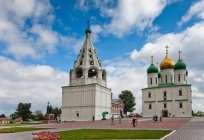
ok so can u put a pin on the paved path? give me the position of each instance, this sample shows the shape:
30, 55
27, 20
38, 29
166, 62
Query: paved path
126, 124
193, 130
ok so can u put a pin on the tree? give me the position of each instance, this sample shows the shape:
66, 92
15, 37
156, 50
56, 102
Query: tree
2, 116
128, 99
39, 115
23, 110
56, 111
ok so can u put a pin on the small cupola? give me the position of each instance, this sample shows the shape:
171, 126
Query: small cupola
180, 65
152, 68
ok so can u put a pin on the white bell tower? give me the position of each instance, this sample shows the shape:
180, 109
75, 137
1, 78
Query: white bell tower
87, 96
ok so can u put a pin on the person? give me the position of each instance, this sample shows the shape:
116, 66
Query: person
93, 118
134, 119
112, 120
156, 118
160, 118
120, 119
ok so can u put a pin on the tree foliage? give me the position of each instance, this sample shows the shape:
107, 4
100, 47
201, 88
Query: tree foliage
23, 110
56, 111
128, 99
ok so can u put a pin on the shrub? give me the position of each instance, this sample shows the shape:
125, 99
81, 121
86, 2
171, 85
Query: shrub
46, 135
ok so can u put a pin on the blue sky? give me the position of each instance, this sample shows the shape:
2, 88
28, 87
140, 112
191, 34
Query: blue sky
39, 41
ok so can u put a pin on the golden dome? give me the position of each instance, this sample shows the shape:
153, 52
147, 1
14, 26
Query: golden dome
167, 63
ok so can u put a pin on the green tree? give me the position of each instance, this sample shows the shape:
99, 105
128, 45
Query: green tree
2, 116
128, 99
14, 116
56, 111
23, 110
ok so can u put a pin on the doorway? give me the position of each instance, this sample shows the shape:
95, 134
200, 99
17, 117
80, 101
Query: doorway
164, 113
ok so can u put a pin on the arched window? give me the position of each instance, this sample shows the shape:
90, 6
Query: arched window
92, 73
77, 113
149, 94
91, 62
104, 75
79, 73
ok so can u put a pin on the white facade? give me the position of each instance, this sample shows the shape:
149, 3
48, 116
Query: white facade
88, 95
170, 95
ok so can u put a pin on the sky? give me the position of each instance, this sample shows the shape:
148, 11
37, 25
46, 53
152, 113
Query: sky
40, 39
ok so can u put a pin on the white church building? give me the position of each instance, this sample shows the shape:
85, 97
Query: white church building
87, 95
168, 94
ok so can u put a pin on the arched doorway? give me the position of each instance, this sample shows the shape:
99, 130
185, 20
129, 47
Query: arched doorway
164, 113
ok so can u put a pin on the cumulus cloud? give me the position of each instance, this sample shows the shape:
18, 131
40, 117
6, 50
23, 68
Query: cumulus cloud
36, 84
26, 29
196, 10
127, 16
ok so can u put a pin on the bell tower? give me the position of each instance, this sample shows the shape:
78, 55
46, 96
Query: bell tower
87, 96
87, 68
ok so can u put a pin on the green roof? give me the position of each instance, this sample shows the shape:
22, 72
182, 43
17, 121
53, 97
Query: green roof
87, 31
152, 69
180, 65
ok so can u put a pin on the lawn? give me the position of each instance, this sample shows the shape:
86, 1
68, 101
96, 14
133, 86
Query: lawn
19, 129
112, 134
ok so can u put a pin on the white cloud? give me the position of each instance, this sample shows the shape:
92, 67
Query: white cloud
26, 29
196, 10
36, 84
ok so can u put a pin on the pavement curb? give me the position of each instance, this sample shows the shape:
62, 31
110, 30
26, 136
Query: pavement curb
163, 138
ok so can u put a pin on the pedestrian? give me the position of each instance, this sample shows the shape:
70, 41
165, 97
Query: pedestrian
134, 119
160, 118
93, 118
120, 119
112, 120
156, 118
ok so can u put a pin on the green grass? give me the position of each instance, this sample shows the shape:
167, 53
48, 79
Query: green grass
19, 129
83, 134
17, 124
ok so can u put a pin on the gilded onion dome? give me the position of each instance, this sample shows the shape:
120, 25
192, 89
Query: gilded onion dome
167, 63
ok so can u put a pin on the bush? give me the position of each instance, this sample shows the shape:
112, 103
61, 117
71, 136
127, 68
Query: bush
46, 135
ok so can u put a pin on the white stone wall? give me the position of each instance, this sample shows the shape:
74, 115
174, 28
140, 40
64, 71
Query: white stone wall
88, 100
183, 77
170, 76
152, 79
172, 100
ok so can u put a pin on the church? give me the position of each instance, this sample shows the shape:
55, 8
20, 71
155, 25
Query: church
87, 97
168, 93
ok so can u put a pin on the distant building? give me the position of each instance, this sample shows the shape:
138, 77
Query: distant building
168, 94
87, 97
5, 120
117, 107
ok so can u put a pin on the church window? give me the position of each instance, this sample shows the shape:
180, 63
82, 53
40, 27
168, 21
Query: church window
81, 62
164, 93
92, 73
179, 77
180, 92
104, 75
91, 62
166, 78
150, 81
156, 80
91, 56
84, 50
77, 114
165, 105
150, 106
89, 50
180, 105
149, 94
82, 56
79, 73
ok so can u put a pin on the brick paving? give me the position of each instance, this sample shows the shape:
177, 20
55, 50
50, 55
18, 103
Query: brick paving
193, 130
126, 124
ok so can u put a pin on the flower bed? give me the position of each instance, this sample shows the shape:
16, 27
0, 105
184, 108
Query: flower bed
46, 135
